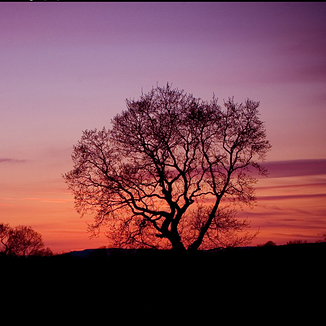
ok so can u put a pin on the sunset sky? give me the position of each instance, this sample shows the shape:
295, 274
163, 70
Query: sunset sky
67, 67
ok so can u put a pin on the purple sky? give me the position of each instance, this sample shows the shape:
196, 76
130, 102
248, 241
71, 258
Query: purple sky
66, 67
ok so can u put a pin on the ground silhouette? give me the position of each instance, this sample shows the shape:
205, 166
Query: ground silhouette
150, 280
299, 258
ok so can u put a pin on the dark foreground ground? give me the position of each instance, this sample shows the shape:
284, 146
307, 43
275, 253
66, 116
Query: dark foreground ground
161, 284
298, 259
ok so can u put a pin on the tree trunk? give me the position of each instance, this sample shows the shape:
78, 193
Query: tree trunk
176, 242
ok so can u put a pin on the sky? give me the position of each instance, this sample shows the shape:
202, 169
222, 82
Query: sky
68, 66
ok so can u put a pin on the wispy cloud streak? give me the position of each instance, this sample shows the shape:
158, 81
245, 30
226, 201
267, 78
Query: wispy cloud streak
11, 160
294, 168
287, 197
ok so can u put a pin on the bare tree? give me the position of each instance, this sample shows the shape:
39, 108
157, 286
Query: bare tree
166, 154
22, 241
4, 236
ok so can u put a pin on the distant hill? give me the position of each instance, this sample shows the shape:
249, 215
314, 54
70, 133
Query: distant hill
286, 254
103, 252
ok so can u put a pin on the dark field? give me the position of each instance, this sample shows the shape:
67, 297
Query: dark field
148, 281
297, 259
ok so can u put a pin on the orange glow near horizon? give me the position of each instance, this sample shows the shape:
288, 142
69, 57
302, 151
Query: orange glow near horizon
288, 208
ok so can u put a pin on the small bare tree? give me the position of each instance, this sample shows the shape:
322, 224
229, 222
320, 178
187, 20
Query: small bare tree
22, 241
168, 169
5, 231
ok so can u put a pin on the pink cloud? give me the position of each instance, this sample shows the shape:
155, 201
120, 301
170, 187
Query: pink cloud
287, 197
293, 168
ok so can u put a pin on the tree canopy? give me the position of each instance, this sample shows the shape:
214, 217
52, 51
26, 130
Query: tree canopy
21, 241
170, 171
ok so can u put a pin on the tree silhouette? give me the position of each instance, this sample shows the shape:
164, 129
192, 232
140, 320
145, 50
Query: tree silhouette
22, 241
170, 171
4, 236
